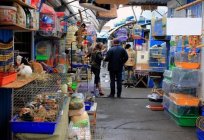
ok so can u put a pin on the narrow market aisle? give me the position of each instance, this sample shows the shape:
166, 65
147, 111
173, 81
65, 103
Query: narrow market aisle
128, 119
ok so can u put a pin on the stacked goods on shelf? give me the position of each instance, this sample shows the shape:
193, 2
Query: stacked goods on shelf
8, 14
79, 126
47, 20
179, 86
157, 58
7, 72
51, 23
21, 16
71, 38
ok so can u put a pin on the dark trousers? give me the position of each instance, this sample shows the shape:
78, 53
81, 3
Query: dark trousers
97, 75
116, 75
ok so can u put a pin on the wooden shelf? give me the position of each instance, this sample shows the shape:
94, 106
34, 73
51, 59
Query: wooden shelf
188, 5
19, 2
20, 82
10, 26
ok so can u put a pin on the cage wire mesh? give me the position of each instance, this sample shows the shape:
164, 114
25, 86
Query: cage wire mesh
97, 133
47, 87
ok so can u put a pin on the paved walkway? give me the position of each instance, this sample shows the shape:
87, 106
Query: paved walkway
129, 119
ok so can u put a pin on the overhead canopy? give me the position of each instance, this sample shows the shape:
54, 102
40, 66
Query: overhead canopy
89, 16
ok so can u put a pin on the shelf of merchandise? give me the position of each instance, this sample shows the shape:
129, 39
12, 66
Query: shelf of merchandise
19, 2
12, 26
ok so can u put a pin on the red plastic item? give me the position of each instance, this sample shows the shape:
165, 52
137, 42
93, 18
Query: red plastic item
46, 9
34, 3
60, 14
156, 107
6, 78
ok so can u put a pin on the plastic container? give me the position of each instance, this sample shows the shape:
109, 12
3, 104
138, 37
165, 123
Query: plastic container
6, 78
7, 14
166, 102
88, 106
168, 74
74, 85
184, 120
184, 100
200, 134
169, 87
186, 78
183, 60
184, 110
33, 127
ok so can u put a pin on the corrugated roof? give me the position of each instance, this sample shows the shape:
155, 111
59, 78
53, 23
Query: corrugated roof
148, 2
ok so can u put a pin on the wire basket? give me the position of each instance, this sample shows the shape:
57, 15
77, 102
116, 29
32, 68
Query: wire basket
45, 90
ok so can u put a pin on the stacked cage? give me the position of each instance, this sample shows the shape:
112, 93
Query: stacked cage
157, 58
37, 107
180, 101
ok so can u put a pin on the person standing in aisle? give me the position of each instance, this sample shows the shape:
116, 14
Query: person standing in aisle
96, 58
117, 57
130, 64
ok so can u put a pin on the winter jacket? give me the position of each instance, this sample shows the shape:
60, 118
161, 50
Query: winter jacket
96, 58
116, 56
131, 57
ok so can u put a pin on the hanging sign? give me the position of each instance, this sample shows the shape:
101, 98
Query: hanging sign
111, 14
112, 1
184, 26
91, 4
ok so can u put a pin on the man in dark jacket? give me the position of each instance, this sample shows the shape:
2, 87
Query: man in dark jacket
116, 56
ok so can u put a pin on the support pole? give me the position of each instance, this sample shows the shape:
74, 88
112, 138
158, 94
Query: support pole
201, 89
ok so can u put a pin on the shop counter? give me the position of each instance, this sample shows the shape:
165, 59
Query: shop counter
60, 133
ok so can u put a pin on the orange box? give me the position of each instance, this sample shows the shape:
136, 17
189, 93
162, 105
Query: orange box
184, 100
8, 77
187, 65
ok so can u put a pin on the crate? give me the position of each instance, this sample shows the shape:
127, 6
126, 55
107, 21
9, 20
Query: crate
33, 127
183, 120
186, 78
6, 78
200, 134
183, 110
